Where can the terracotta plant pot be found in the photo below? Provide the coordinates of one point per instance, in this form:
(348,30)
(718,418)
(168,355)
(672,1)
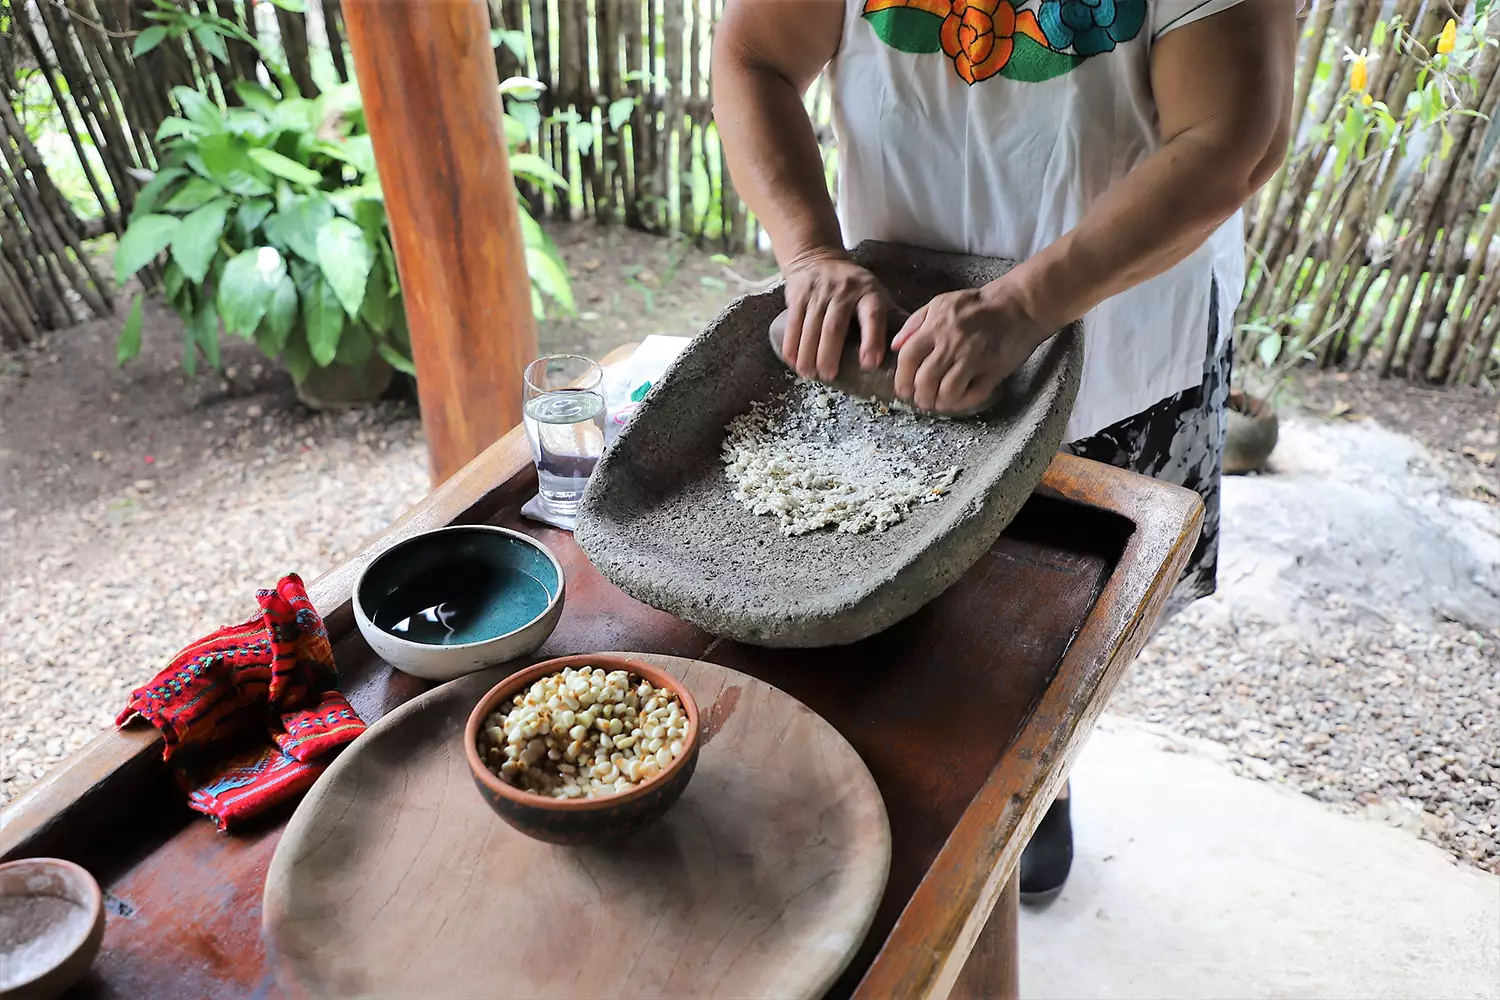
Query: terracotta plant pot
(1251,436)
(343,387)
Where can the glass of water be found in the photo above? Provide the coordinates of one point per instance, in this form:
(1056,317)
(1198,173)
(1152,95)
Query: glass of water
(564,418)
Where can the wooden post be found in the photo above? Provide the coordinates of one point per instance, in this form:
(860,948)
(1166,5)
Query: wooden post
(432,101)
(993,971)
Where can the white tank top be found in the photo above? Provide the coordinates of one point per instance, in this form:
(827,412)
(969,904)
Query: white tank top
(990,127)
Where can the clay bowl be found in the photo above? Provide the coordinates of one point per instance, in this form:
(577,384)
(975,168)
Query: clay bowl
(446,603)
(1251,435)
(583,821)
(51,925)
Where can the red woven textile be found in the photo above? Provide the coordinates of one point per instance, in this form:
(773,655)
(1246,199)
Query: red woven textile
(250,713)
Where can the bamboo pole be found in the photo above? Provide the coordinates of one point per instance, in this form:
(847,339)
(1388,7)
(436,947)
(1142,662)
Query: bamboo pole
(293,28)
(630,16)
(1467,336)
(433,107)
(1486,329)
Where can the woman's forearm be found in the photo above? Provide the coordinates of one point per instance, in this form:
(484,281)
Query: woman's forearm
(760,72)
(1152,220)
(1224,91)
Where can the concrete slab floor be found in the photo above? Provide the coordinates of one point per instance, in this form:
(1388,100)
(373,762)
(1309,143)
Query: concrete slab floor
(1192,883)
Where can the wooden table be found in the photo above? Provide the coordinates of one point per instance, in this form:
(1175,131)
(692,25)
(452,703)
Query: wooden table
(968,714)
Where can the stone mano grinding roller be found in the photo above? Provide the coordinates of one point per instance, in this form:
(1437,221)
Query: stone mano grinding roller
(879,384)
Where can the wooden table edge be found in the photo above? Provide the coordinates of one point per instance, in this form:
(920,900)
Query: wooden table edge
(925,952)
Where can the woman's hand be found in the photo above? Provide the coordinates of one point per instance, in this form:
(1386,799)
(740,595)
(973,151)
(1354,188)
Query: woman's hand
(824,293)
(955,350)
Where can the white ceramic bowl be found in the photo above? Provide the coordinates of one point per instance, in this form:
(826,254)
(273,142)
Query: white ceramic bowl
(477,594)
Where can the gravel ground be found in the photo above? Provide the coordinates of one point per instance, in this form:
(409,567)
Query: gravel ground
(1396,720)
(1353,649)
(107,591)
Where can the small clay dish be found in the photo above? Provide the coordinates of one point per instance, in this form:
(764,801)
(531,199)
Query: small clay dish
(51,925)
(592,820)
(452,601)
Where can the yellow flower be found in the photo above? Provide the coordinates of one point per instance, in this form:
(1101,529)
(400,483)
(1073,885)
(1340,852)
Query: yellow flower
(1367,100)
(1449,38)
(1359,75)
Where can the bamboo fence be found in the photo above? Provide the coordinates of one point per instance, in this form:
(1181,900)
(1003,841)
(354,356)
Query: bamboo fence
(1390,263)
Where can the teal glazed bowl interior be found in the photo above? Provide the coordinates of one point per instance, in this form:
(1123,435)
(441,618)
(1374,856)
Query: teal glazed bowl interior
(449,602)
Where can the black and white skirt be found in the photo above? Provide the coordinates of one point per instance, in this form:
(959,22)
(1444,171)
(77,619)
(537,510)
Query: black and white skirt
(1180,440)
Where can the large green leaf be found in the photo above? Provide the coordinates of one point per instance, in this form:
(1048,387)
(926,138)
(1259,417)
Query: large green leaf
(345,257)
(296,359)
(196,193)
(174,126)
(375,310)
(281,316)
(527,114)
(355,345)
(227,160)
(152,191)
(197,239)
(323,320)
(212,42)
(293,114)
(356,151)
(247,288)
(172,283)
(285,167)
(145,237)
(533,168)
(205,330)
(370,216)
(148,40)
(197,108)
(550,278)
(620,111)
(347,200)
(396,359)
(250,124)
(249,217)
(255,97)
(296,226)
(129,344)
(516,132)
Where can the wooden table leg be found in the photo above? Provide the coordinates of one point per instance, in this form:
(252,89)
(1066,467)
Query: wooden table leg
(993,971)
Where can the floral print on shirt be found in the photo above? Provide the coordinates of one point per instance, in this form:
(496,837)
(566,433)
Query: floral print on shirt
(1024,40)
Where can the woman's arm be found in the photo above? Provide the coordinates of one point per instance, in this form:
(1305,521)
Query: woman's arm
(1223,89)
(766,55)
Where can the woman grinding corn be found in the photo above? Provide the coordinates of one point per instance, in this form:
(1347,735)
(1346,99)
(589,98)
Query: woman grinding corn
(1108,144)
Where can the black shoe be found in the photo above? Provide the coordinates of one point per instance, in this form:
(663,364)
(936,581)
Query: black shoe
(1048,857)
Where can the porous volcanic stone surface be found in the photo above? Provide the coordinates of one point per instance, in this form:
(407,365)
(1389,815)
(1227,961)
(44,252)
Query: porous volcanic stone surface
(660,522)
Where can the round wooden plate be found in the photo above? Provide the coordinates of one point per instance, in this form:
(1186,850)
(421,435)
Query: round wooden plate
(394,879)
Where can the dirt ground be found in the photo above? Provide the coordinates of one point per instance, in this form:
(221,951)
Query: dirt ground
(1461,427)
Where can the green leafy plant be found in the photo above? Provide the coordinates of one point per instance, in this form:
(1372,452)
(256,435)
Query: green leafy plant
(273,223)
(545,265)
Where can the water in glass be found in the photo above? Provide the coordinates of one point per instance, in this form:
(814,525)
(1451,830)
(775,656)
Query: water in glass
(564,418)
